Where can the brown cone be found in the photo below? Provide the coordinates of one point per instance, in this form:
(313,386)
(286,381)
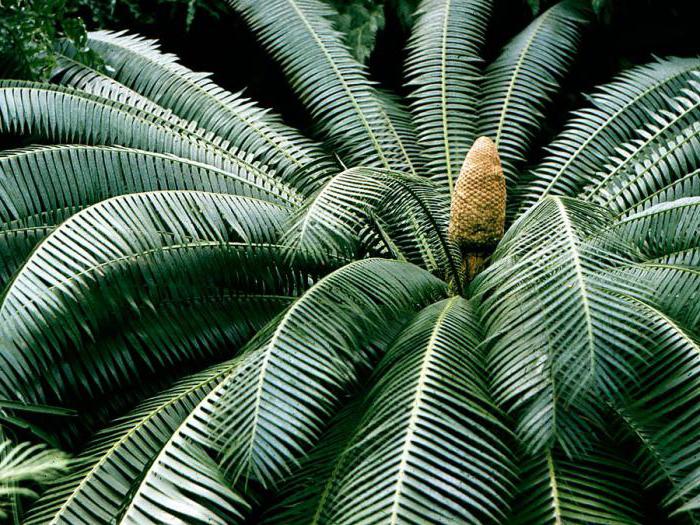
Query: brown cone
(478,212)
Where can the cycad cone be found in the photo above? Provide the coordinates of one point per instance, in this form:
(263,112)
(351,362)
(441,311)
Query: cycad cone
(478,212)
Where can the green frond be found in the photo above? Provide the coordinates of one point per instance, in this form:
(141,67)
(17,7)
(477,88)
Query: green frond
(379,211)
(617,111)
(656,164)
(41,187)
(74,74)
(113,467)
(59,114)
(662,412)
(443,71)
(22,464)
(560,331)
(158,476)
(124,257)
(661,230)
(599,489)
(674,289)
(302,498)
(275,409)
(228,322)
(431,445)
(140,65)
(680,187)
(329,81)
(665,173)
(400,120)
(518,85)
(688,257)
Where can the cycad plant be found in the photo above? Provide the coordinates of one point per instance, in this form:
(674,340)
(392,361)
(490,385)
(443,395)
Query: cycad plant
(255,326)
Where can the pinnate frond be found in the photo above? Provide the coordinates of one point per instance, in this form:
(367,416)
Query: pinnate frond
(518,85)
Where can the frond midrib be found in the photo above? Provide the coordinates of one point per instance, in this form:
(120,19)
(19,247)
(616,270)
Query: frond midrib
(131,257)
(416,409)
(580,281)
(554,489)
(443,95)
(269,349)
(518,66)
(136,114)
(341,79)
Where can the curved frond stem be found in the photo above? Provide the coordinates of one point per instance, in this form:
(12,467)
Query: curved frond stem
(685,111)
(412,212)
(290,387)
(396,446)
(139,64)
(618,110)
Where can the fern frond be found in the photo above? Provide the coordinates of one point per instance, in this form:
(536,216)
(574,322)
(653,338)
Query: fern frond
(597,489)
(65,115)
(329,81)
(22,464)
(662,414)
(617,110)
(661,172)
(41,187)
(302,498)
(276,408)
(518,85)
(661,230)
(74,74)
(443,71)
(122,257)
(157,76)
(112,467)
(672,288)
(560,331)
(431,445)
(411,211)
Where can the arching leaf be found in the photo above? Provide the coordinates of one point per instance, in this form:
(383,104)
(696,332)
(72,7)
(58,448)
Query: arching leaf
(25,464)
(410,211)
(518,85)
(124,257)
(617,110)
(65,115)
(661,230)
(560,331)
(431,445)
(661,414)
(598,489)
(302,498)
(114,464)
(443,70)
(332,84)
(43,186)
(139,64)
(275,409)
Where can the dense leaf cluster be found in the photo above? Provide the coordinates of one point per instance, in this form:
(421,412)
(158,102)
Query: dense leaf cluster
(227,321)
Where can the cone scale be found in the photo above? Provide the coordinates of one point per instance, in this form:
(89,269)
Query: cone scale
(478,210)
